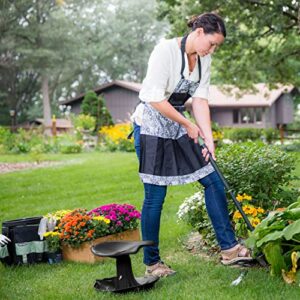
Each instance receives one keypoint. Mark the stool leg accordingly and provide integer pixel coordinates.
(125, 277)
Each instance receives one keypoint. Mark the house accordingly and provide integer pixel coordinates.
(121, 97)
(262, 109)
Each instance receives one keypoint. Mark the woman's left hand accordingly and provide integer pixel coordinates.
(210, 147)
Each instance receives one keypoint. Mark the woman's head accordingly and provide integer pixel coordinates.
(210, 22)
(208, 32)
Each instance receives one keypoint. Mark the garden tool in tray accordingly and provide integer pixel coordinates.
(260, 258)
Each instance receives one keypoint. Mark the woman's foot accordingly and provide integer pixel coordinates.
(160, 269)
(238, 254)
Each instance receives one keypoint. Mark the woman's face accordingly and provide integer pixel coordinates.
(206, 43)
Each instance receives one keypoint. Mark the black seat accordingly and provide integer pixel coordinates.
(117, 248)
(125, 280)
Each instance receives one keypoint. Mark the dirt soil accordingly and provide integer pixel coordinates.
(12, 167)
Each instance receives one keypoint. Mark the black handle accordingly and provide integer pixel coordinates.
(236, 202)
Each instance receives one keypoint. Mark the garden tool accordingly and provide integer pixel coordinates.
(260, 257)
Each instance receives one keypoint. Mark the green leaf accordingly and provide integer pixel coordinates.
(291, 230)
(273, 254)
(294, 205)
(276, 235)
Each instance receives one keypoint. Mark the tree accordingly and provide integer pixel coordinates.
(95, 106)
(36, 37)
(263, 43)
(71, 46)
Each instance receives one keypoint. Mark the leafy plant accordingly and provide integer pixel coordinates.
(193, 212)
(53, 241)
(84, 122)
(261, 170)
(278, 236)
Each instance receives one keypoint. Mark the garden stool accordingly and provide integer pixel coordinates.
(125, 280)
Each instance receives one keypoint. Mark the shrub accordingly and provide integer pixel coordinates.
(115, 137)
(95, 106)
(270, 135)
(67, 144)
(6, 140)
(84, 122)
(259, 170)
(242, 134)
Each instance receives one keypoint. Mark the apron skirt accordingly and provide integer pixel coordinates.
(168, 155)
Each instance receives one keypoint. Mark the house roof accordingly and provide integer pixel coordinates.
(133, 86)
(218, 96)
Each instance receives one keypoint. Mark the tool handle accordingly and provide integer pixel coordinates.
(236, 202)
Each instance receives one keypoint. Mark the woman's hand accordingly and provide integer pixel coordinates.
(193, 131)
(211, 148)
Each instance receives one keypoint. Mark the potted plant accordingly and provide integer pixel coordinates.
(54, 250)
(79, 230)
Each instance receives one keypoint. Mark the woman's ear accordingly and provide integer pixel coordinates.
(200, 31)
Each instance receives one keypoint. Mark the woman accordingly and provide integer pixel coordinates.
(167, 143)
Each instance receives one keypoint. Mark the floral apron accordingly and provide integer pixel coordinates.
(168, 155)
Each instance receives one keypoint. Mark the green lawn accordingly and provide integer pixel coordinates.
(90, 180)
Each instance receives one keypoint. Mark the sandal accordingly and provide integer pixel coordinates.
(236, 255)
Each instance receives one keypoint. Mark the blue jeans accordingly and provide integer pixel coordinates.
(216, 204)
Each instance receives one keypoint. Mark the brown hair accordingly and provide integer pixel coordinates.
(210, 22)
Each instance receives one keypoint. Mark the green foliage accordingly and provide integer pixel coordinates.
(293, 147)
(245, 134)
(193, 212)
(6, 140)
(97, 180)
(95, 106)
(84, 122)
(278, 236)
(262, 41)
(262, 171)
(67, 144)
(38, 38)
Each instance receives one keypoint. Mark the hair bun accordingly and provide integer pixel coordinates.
(191, 21)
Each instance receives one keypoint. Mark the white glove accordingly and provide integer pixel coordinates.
(4, 240)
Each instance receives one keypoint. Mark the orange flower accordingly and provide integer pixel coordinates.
(82, 224)
(237, 215)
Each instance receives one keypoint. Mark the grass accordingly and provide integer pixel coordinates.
(90, 180)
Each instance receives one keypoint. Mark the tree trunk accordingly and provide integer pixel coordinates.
(46, 105)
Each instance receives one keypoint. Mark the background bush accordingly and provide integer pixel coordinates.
(262, 171)
(251, 134)
(114, 138)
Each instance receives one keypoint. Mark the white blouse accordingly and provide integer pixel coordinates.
(163, 74)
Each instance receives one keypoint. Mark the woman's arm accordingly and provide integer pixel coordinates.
(167, 110)
(202, 116)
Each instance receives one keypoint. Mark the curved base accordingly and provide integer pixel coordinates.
(111, 284)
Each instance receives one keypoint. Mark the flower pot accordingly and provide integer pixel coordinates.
(84, 254)
(54, 257)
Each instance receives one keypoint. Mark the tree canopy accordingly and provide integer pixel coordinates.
(262, 44)
(53, 50)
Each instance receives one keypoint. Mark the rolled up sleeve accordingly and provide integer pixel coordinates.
(203, 89)
(155, 83)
